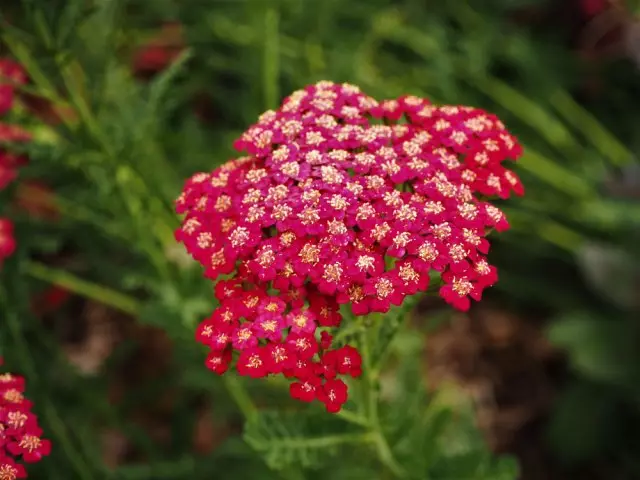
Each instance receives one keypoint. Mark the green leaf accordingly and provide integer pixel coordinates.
(459, 450)
(596, 133)
(387, 328)
(613, 272)
(556, 175)
(299, 439)
(583, 421)
(159, 89)
(603, 349)
(529, 111)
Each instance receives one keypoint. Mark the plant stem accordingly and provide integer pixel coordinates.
(372, 377)
(94, 291)
(58, 426)
(240, 396)
(352, 417)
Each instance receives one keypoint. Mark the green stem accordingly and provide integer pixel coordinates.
(371, 375)
(60, 430)
(326, 441)
(85, 288)
(352, 417)
(240, 396)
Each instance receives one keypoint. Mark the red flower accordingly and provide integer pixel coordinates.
(301, 321)
(38, 200)
(9, 164)
(11, 73)
(280, 357)
(457, 291)
(244, 338)
(7, 241)
(325, 340)
(253, 362)
(218, 362)
(30, 446)
(52, 299)
(13, 133)
(333, 393)
(9, 470)
(346, 361)
(160, 51)
(303, 344)
(329, 208)
(591, 8)
(269, 326)
(306, 389)
(6, 98)
(20, 435)
(326, 309)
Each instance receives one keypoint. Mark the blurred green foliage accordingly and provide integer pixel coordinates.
(117, 169)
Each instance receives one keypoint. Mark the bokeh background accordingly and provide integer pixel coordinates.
(129, 97)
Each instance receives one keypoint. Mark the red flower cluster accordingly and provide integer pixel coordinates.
(341, 200)
(11, 74)
(19, 430)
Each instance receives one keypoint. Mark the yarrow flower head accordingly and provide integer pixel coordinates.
(20, 435)
(341, 199)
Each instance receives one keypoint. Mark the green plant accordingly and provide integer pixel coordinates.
(117, 164)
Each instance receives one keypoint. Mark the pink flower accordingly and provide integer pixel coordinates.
(301, 321)
(330, 208)
(253, 362)
(269, 326)
(243, 337)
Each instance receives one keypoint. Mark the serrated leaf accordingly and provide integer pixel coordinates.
(299, 439)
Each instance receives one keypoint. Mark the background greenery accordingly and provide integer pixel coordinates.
(117, 162)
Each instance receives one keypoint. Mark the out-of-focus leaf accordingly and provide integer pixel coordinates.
(583, 421)
(300, 439)
(604, 349)
(612, 272)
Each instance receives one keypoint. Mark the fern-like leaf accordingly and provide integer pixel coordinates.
(284, 439)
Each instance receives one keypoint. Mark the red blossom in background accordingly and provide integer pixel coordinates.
(38, 200)
(11, 76)
(160, 51)
(50, 300)
(20, 435)
(591, 8)
(342, 199)
(7, 240)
